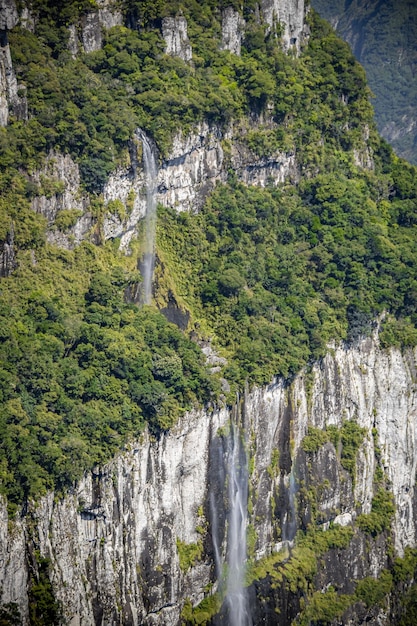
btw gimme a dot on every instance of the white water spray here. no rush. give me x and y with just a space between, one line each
151 174
290 526
232 472
236 599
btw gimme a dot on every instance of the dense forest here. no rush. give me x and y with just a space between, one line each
269 275
383 36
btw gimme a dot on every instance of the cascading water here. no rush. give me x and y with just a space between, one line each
232 471
151 174
236 598
290 526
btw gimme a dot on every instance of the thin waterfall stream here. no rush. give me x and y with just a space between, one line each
236 598
233 477
290 527
151 175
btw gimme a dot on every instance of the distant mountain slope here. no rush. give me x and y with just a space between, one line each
383 36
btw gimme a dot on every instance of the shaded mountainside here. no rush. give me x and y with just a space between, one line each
285 225
383 37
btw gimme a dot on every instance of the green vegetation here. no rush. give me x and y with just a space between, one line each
281 271
82 371
404 567
43 608
66 218
380 517
270 274
324 607
404 574
203 612
189 554
314 439
350 435
383 36
373 591
298 571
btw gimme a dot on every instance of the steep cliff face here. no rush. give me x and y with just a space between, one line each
232 30
132 543
10 100
91 26
116 544
195 164
174 31
289 14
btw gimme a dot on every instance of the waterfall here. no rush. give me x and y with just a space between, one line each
236 599
151 173
232 478
290 525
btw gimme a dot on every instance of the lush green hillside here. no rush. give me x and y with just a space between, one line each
383 36
271 275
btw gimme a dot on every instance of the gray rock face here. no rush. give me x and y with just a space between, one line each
289 14
174 31
10 101
195 164
393 131
4 68
61 177
7 254
232 30
27 19
9 15
91 35
91 27
115 542
73 43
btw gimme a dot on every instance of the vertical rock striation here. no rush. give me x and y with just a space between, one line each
174 31
195 164
88 34
9 15
10 101
233 26
115 542
288 15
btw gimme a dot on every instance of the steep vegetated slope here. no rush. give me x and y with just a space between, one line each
383 36
276 272
263 275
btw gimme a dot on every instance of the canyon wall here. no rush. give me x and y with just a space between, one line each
116 543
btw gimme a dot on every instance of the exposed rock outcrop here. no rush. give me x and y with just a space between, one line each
289 17
9 15
174 31
59 185
195 164
7 254
11 102
115 542
89 33
233 26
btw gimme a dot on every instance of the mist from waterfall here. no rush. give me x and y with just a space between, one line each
290 526
237 466
151 174
233 474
